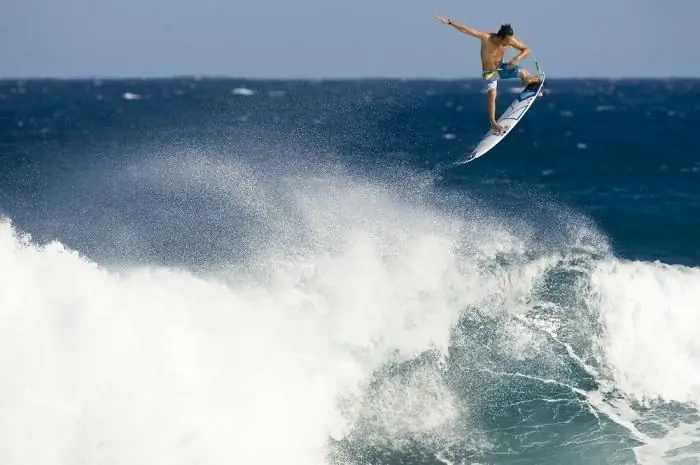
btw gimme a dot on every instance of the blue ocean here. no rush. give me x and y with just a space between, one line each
228 271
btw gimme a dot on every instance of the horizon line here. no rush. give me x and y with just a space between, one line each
202 77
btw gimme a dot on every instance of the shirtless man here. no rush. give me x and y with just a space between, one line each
493 47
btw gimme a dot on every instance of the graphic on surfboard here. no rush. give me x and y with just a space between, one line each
509 119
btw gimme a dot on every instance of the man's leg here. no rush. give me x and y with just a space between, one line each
526 78
491 87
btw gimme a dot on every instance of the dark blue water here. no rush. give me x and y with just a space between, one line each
217 271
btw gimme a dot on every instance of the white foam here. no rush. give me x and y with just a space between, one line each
264 360
651 313
150 365
242 91
651 353
157 365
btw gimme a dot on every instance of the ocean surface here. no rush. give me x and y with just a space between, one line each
222 271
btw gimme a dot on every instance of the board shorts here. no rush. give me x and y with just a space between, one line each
504 72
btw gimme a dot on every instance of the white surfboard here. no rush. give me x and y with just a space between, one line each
509 119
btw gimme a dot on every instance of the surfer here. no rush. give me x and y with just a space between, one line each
493 48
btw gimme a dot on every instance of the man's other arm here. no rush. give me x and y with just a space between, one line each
524 51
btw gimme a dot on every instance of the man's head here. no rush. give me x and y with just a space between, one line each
505 33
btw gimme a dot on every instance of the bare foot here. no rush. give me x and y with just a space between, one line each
497 128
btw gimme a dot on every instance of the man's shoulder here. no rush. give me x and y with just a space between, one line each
487 39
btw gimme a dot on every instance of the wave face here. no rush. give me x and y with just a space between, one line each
270 302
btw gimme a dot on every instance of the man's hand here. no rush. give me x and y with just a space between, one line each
442 20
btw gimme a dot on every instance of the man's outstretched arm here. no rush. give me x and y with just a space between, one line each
462 28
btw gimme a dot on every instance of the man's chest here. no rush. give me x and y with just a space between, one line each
493 49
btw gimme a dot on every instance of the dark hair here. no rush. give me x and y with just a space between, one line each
505 31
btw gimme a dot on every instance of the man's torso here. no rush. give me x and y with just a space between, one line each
491 54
